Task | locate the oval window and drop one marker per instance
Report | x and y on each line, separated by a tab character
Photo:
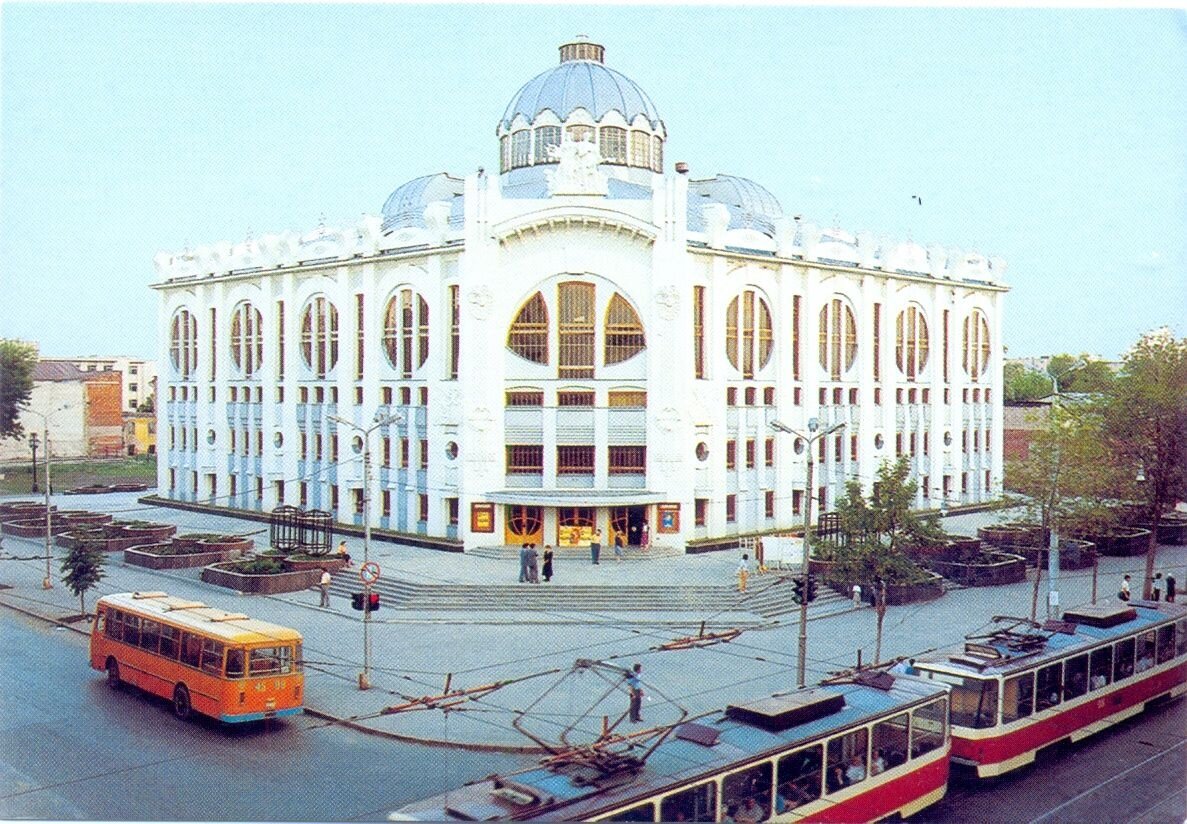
210	436
702	451
451	450
878	441
278	439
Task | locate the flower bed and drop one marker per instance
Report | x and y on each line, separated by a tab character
228	575
928	587
33	527
1015	534
331	563
1120	541
188	551
1073	554
995	569
117	535
79	518
15	510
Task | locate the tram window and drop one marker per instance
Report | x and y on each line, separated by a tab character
1181	636
737	789
929	727
697	803
974	703
799	778
891	739
1123	659
1075	677
1145	651
642	812
1100	670
847	760
1166	643
1049	687
1018	697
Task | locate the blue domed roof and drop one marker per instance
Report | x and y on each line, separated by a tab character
581	84
406	205
750	205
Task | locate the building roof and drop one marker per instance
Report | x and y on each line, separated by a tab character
51	371
750	205
406	205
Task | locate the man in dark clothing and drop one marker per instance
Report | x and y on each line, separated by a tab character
635	684
1170	588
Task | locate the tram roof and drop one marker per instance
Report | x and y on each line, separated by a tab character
1069	637
230	627
576	791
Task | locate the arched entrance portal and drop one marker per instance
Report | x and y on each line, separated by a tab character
628	522
525	525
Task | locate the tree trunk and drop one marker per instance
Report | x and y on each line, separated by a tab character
1034	596
1151	552
82	608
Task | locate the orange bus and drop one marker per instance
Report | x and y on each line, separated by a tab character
220	664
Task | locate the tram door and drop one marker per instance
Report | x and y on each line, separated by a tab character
525	525
628	521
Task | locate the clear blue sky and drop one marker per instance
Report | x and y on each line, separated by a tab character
1056	138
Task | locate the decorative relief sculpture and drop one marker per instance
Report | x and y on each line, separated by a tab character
577	169
480	302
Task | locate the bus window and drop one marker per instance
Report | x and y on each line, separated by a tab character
191	649
132	629
1049	687
1145	652
1181	636
271	660
1100	671
697	803
1018	697
799	778
169	641
847	759
235	663
974	703
929	727
115	625
891	739
747	790
100	620
1166	643
1075	677
150	632
643	812
212	657
1123	659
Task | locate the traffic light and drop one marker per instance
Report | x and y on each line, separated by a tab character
811	588
356	600
798	596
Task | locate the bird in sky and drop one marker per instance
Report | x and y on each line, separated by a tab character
917	199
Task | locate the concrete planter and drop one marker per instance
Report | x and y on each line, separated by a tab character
219	543
16	510
1073	554
32	527
116	536
331	564
1002	535
1121	541
271	584
997	568
149	556
81	518
896	594
1172	531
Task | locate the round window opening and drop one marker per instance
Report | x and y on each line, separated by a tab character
278	440
356	444
451	450
702	451
210	436
799	446
947	439
878	441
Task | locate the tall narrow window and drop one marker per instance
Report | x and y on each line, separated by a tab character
183	343
624	331
521	148
976	344
247	339
698	331
640	149
455	321
529	331
795	337
911	342
945	346
576	330
748	334
213	344
319	335
280	339
612	144
877	341
546	138
358	323
838	338
505	153
422	318
657	154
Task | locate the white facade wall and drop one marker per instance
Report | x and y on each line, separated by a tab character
64	404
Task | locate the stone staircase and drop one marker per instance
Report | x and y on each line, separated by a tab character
766	597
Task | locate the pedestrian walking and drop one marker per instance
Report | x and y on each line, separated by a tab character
547	570
644	536
1156	586
324	585
1123	594
523	563
617	546
743	572
533	568
1171	590
857	595
634	685
595	546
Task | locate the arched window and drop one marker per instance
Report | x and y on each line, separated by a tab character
624	331
838	338
505	153
319	335
546	137
612	144
640	149
247	338
575	330
521	148
183	342
742	334
657	154
578	133
406	331
528	337
976	344
911	342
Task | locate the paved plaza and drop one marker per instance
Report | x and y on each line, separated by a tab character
535	648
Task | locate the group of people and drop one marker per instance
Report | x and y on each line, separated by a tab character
1158	584
529	564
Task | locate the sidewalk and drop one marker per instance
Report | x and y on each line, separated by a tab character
413	652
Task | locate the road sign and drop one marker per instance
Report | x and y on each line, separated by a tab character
369	572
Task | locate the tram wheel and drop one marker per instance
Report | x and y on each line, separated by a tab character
181	702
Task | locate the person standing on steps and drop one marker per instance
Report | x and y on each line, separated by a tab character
617	546
324	585
547	570
595	546
523	563
533	569
743	572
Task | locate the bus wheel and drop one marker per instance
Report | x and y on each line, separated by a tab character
113	674
181	701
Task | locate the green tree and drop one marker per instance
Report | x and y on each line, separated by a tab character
886	520
17	360
1145	423
82	569
1093	376
148	404
1022	384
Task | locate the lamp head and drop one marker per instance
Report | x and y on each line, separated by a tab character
813	424
779	426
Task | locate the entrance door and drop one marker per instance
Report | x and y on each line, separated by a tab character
628	521
525	525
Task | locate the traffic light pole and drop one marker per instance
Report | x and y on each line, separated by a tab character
802	654
365	675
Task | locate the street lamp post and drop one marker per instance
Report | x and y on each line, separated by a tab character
48	581
1053	609
808	441
380	420
33	444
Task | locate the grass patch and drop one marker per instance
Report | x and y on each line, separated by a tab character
18	478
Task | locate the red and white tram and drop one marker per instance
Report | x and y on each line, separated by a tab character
1023	687
861	750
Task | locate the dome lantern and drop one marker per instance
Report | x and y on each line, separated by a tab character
582	49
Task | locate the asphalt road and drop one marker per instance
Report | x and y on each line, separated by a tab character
74	749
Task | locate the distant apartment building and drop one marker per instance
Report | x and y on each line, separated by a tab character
83	412
139	376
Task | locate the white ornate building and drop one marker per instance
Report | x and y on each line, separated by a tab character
583	339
